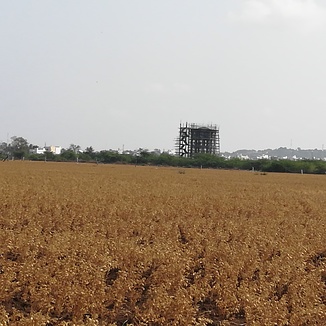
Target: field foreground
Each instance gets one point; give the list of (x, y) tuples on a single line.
[(124, 245)]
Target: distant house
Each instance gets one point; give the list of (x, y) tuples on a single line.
[(263, 157), (243, 157), (56, 150), (37, 150)]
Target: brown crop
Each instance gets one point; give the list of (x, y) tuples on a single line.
[(84, 244)]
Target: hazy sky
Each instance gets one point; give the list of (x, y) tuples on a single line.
[(109, 73)]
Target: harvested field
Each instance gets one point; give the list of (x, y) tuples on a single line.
[(84, 244)]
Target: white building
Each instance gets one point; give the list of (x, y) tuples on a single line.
[(54, 149), (50, 149), (38, 150)]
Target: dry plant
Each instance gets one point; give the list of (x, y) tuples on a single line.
[(119, 245)]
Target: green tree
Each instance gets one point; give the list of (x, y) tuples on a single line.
[(68, 155), (49, 156), (108, 157), (19, 147), (89, 153), (74, 148)]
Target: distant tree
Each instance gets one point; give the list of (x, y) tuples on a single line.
[(36, 157), (3, 145), (3, 151), (320, 167), (19, 147), (274, 166), (90, 153), (164, 159), (144, 156), (108, 156), (31, 146), (68, 155), (89, 150), (126, 158), (19, 142), (74, 148), (49, 156)]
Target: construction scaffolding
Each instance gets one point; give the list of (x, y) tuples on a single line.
[(194, 138)]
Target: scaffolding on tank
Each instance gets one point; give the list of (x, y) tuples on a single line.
[(195, 138)]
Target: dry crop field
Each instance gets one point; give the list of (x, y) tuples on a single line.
[(84, 244)]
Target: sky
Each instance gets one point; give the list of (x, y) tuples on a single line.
[(124, 74)]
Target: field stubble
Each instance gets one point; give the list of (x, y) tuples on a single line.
[(123, 245)]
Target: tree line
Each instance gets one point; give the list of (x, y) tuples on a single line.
[(19, 148)]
